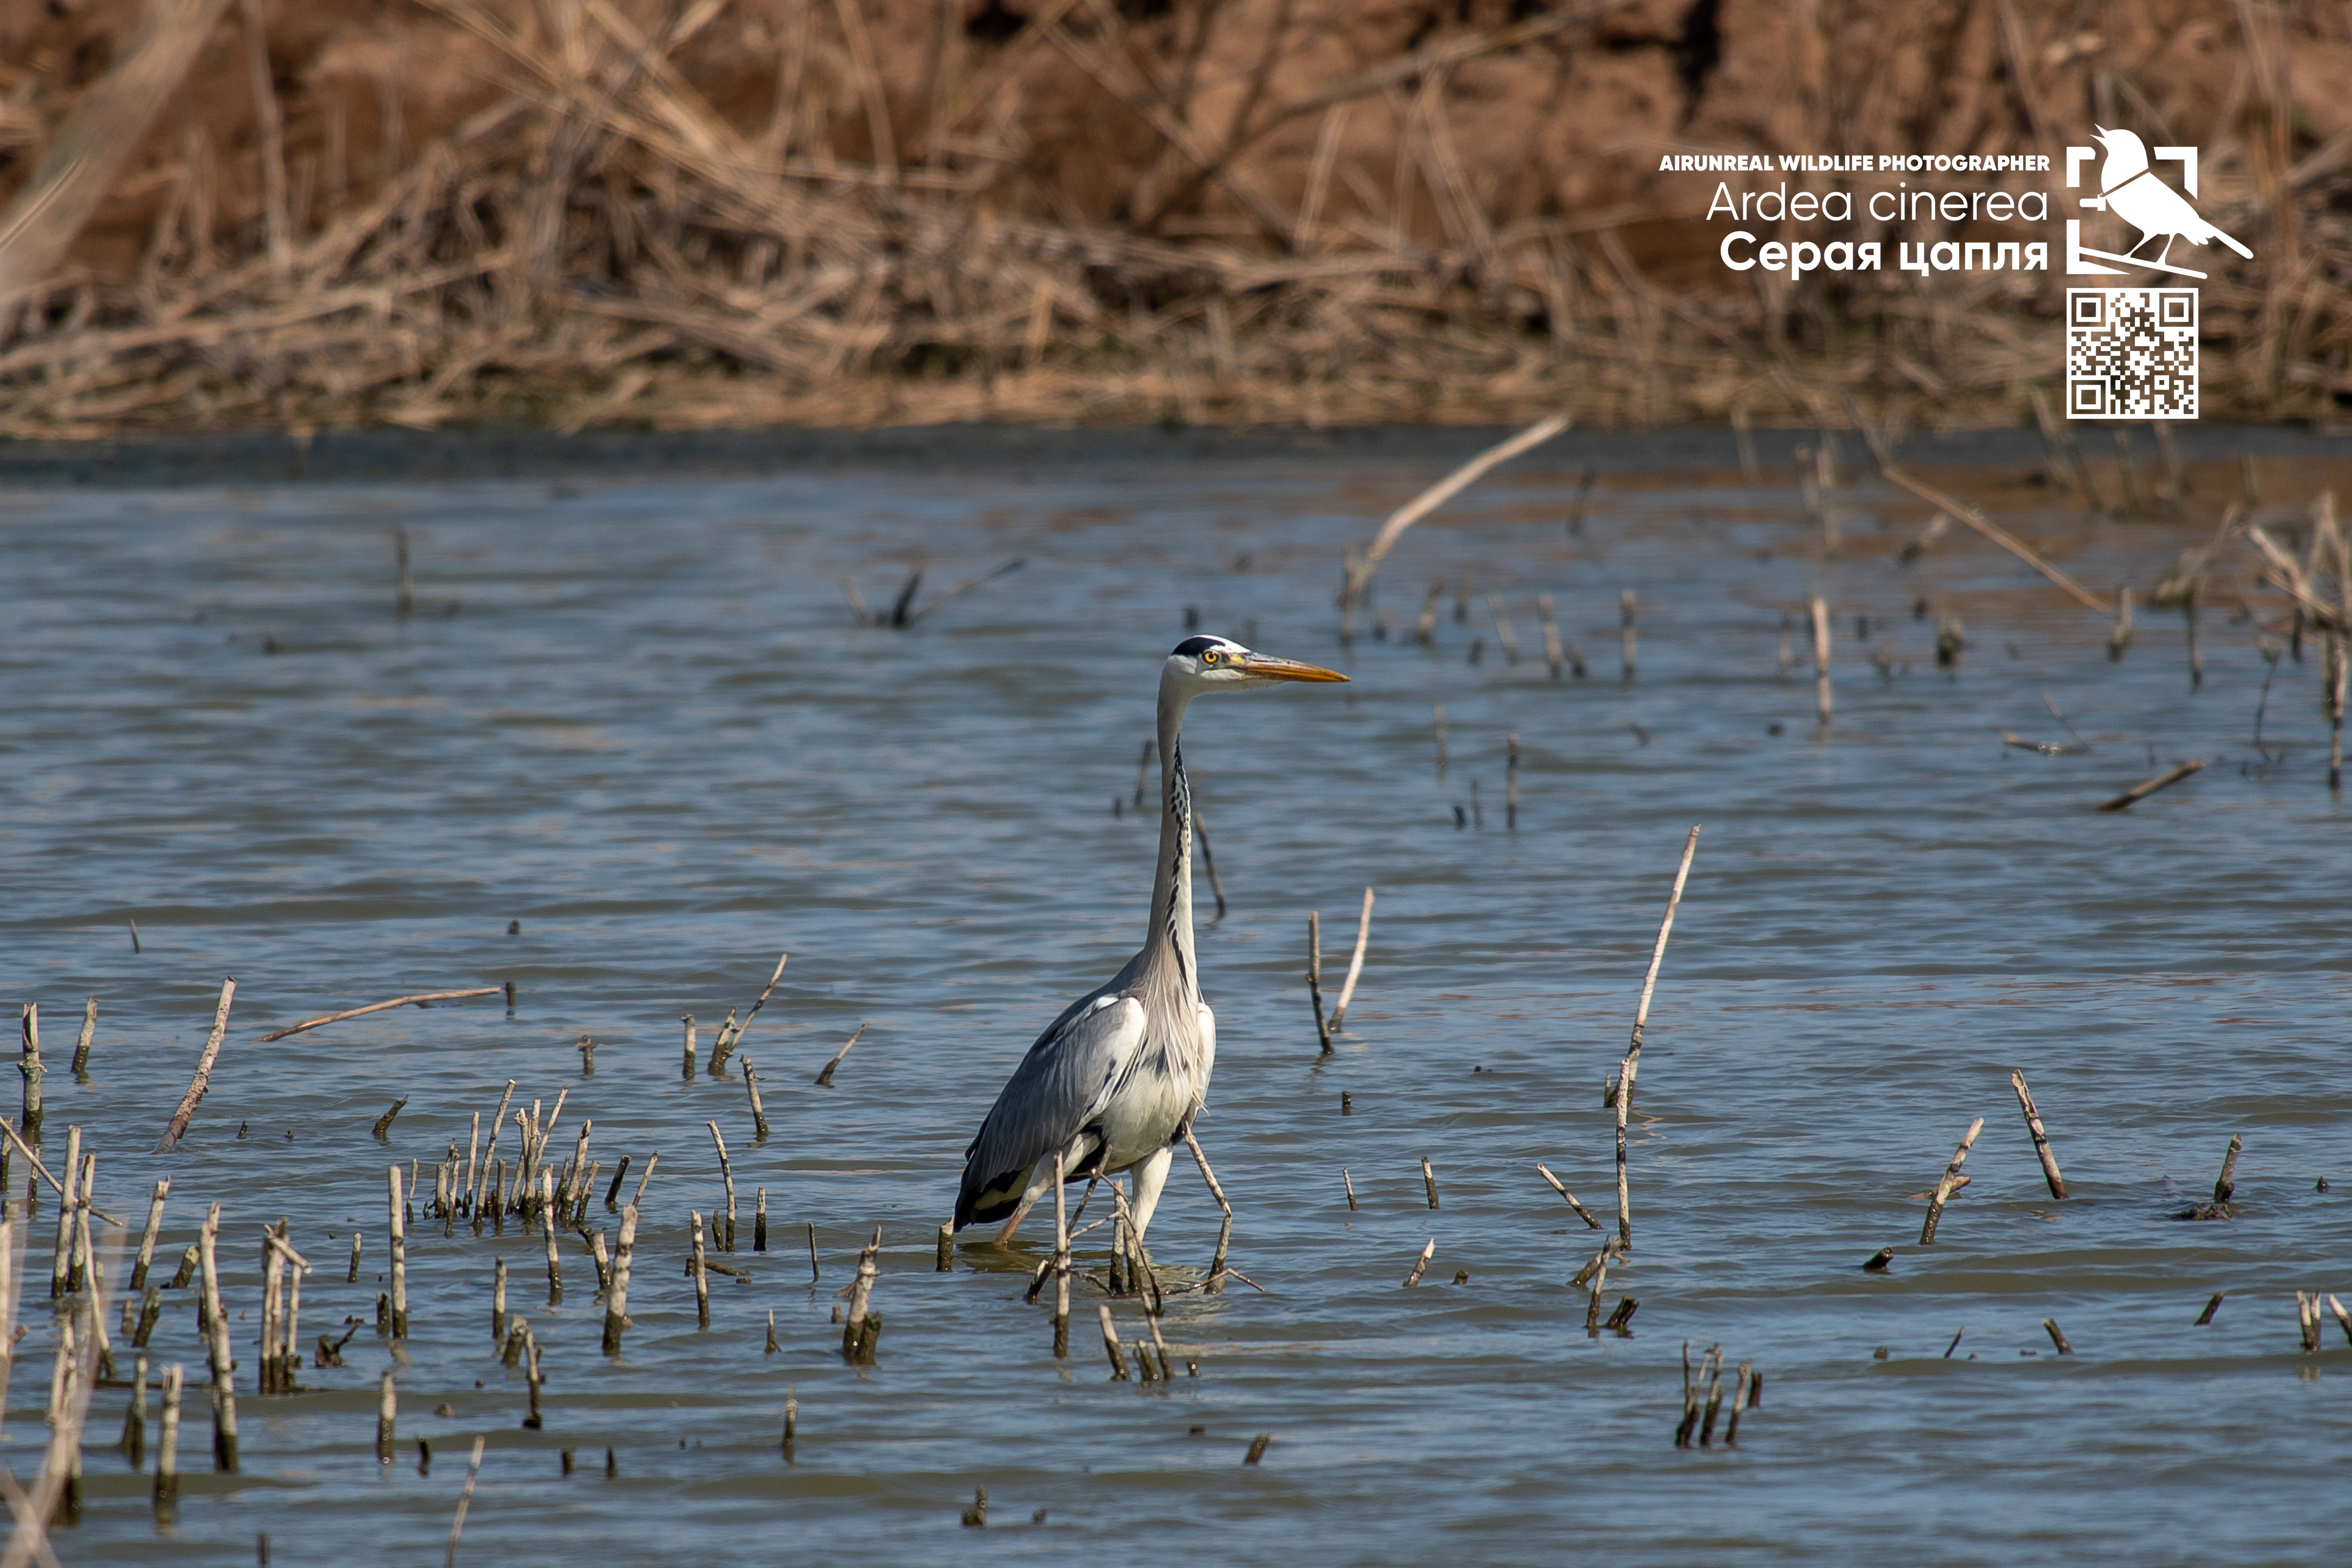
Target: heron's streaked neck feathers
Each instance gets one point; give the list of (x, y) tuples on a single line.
[(1168, 957)]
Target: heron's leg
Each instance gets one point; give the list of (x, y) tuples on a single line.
[(1225, 1233), (1041, 1182), (1150, 1175)]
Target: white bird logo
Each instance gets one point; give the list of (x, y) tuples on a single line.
[(2130, 190)]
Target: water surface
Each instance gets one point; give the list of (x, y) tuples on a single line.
[(636, 717)]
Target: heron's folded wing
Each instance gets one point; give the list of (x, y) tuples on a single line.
[(1061, 1084)]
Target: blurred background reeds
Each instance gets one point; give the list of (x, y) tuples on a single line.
[(680, 213)]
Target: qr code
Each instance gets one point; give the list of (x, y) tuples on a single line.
[(2131, 353)]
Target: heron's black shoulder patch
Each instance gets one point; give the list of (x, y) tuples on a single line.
[(1199, 645)]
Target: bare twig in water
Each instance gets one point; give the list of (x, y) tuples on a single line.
[(2041, 1139), (2006, 540), (1582, 1212), (824, 1076), (1355, 964), (464, 1500), (378, 1007), (1359, 573), (2141, 791), (962, 589), (1949, 1183), (179, 1124), (1632, 1061)]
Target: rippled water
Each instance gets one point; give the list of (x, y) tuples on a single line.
[(635, 716)]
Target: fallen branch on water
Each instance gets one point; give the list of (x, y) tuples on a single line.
[(417, 1001)]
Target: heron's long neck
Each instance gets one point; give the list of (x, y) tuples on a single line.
[(1167, 946)]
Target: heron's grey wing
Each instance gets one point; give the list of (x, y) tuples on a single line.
[(1060, 1086)]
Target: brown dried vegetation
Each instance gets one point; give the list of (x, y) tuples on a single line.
[(686, 213)]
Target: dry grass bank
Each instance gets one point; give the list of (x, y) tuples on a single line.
[(694, 212)]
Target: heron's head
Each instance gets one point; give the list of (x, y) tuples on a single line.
[(1202, 665)]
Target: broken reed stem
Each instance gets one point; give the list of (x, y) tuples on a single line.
[(1511, 783), (2143, 790), (701, 1274), (1355, 964), (1207, 855), (1429, 1181), (379, 1007), (1111, 1346), (724, 1240), (2041, 1139), (387, 1417), (1625, 606), (616, 1300), (1632, 1059), (464, 1500), (167, 1445), (1428, 1251), (1582, 1212), (399, 1233), (2226, 1183), (89, 1033), (1351, 1187), (825, 1077), (1314, 977), (1822, 699), (733, 1039), (30, 1065), (547, 1212), (1949, 1183), (179, 1123), (859, 1335), (1361, 570), (1215, 1281), (219, 1360), (760, 1218)]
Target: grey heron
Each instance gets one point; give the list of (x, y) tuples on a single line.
[(1113, 1084)]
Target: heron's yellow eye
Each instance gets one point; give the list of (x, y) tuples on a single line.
[(1209, 657)]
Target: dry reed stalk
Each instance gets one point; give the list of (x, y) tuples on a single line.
[(1217, 1270), (616, 1298), (219, 1361), (1820, 611), (2006, 540), (1505, 633), (2226, 1183), (1421, 1264), (1582, 1212), (399, 1244), (726, 1238), (1208, 856), (1429, 1181), (732, 1039), (1360, 574), (2041, 1139), (1355, 964), (82, 1045), (1314, 977), (179, 1123), (1632, 1059), (464, 1500), (1949, 1183), (825, 1077), (2142, 790), (420, 999), (696, 1270)]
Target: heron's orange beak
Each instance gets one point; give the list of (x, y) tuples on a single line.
[(1275, 669)]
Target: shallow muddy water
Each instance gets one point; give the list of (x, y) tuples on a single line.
[(636, 717)]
